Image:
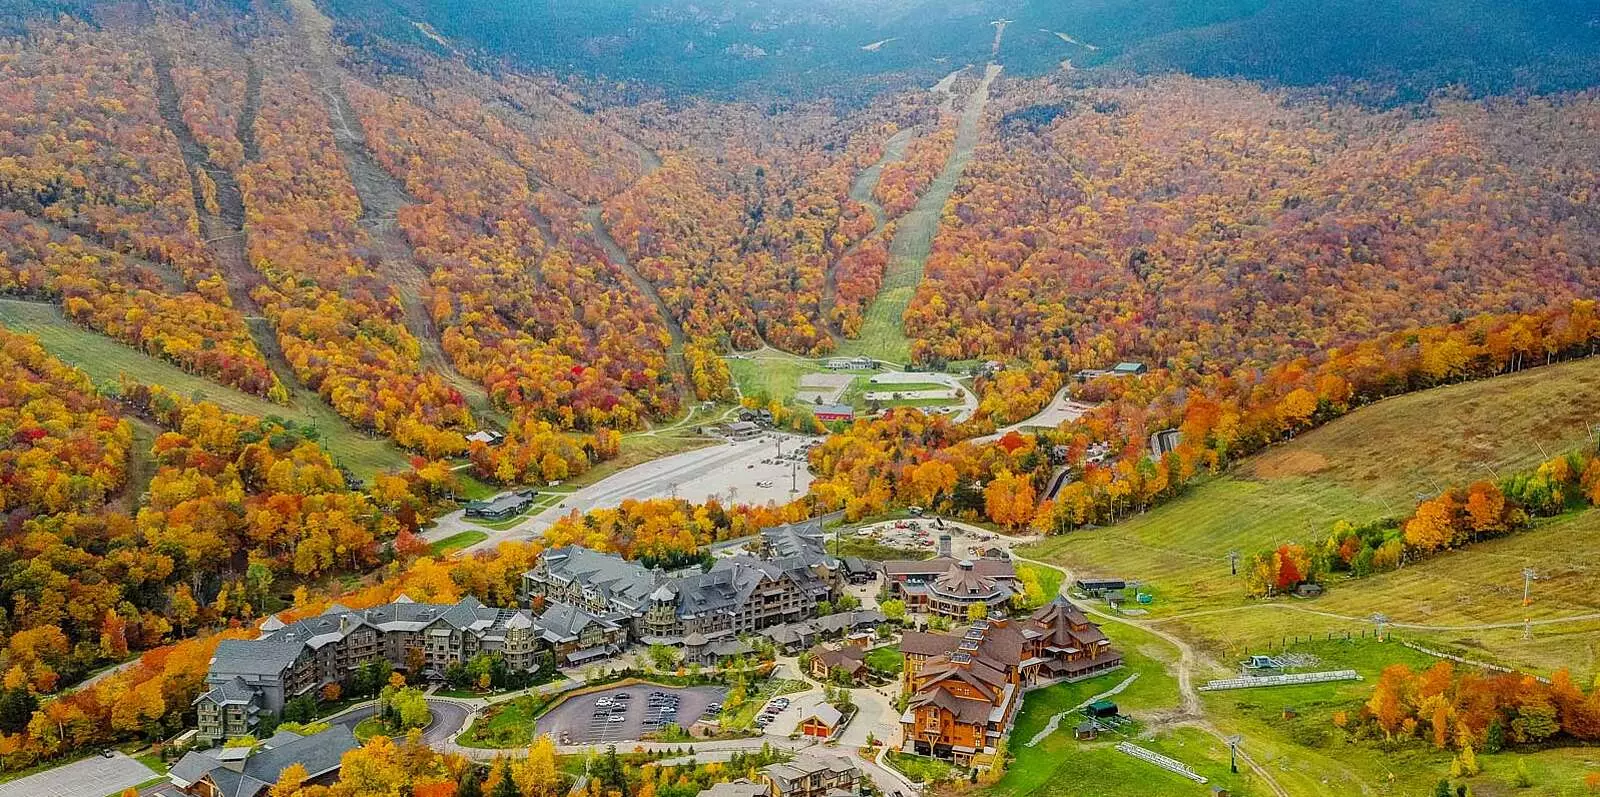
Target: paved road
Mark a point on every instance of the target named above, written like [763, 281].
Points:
[1060, 408]
[449, 718]
[89, 777]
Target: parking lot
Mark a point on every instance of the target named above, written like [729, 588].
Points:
[91, 777]
[587, 719]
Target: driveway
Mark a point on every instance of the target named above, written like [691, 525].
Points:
[449, 718]
[90, 777]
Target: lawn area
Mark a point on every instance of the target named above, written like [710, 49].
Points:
[456, 542]
[507, 724]
[471, 488]
[1049, 580]
[105, 360]
[370, 727]
[1098, 769]
[1480, 584]
[772, 373]
[886, 659]
[921, 769]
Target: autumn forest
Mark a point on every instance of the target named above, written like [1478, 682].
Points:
[422, 235]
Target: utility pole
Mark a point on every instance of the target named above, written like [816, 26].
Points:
[1233, 562]
[1528, 575]
[1233, 753]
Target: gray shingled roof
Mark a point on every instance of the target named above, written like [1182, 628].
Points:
[319, 754]
[608, 574]
[563, 622]
[254, 657]
[232, 690]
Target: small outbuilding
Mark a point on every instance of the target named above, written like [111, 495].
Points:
[1100, 709]
[821, 722]
[1099, 587]
[1086, 731]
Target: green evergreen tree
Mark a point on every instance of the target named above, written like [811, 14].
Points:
[506, 787]
[471, 784]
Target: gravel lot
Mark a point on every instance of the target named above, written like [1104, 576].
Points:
[578, 719]
[90, 777]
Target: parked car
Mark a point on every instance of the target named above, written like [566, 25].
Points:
[617, 718]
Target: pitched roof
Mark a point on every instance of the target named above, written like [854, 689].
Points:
[922, 643]
[254, 657]
[965, 709]
[319, 753]
[737, 788]
[938, 565]
[804, 766]
[563, 622]
[825, 712]
[849, 658]
[231, 691]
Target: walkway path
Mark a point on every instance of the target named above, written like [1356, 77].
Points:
[1191, 711]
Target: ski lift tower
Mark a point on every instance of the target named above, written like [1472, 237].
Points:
[1528, 577]
[1233, 753]
[1380, 620]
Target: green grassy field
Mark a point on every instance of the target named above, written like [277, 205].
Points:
[772, 373]
[1049, 580]
[105, 361]
[1096, 767]
[1478, 585]
[1309, 755]
[886, 658]
[1371, 464]
[1352, 469]
[456, 542]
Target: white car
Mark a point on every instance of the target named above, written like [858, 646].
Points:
[617, 718]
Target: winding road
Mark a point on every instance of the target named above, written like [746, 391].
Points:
[449, 717]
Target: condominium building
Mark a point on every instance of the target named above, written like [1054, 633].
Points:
[738, 595]
[248, 679]
[814, 776]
